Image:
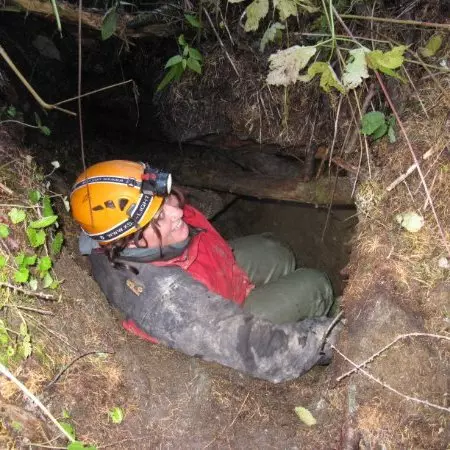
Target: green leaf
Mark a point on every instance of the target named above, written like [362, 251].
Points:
[194, 65]
[10, 351]
[21, 275]
[4, 231]
[193, 21]
[182, 40]
[109, 23]
[34, 196]
[36, 238]
[57, 243]
[19, 259]
[356, 69]
[183, 63]
[66, 414]
[37, 119]
[172, 61]
[23, 329]
[285, 65]
[33, 284]
[2, 261]
[387, 61]
[45, 130]
[76, 445]
[305, 416]
[17, 215]
[391, 130]
[194, 53]
[11, 111]
[116, 415]
[371, 121]
[47, 209]
[44, 264]
[174, 73]
[256, 11]
[4, 337]
[68, 428]
[29, 260]
[286, 8]
[185, 51]
[410, 221]
[47, 281]
[328, 78]
[380, 131]
[26, 347]
[270, 35]
[44, 222]
[432, 46]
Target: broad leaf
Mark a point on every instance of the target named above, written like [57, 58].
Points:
[17, 215]
[387, 61]
[47, 209]
[47, 281]
[371, 121]
[193, 21]
[194, 65]
[23, 329]
[174, 73]
[109, 23]
[356, 68]
[45, 130]
[380, 131]
[4, 231]
[2, 261]
[286, 8]
[305, 416]
[44, 222]
[57, 243]
[328, 78]
[256, 11]
[173, 60]
[432, 46]
[11, 111]
[26, 347]
[21, 275]
[33, 284]
[68, 428]
[194, 53]
[36, 237]
[34, 196]
[286, 64]
[19, 259]
[272, 33]
[410, 221]
[116, 414]
[76, 445]
[44, 264]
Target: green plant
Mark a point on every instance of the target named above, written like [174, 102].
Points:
[376, 125]
[187, 58]
[8, 114]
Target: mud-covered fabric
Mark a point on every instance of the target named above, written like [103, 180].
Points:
[168, 304]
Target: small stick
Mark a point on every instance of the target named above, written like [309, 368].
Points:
[6, 189]
[28, 308]
[378, 353]
[27, 292]
[332, 325]
[67, 366]
[410, 170]
[33, 398]
[376, 380]
[94, 92]
[28, 86]
[220, 42]
[399, 21]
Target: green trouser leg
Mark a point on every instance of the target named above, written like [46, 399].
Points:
[282, 294]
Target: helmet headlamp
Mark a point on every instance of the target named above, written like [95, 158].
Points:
[156, 182]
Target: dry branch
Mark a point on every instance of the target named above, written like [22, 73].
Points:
[387, 386]
[318, 192]
[27, 292]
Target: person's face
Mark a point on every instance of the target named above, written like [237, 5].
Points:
[172, 227]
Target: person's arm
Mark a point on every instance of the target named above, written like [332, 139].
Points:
[185, 315]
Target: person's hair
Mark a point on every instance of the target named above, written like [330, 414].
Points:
[114, 249]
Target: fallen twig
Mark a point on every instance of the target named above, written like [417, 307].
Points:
[376, 380]
[6, 189]
[221, 42]
[67, 366]
[378, 353]
[410, 169]
[34, 399]
[36, 96]
[27, 292]
[28, 308]
[445, 26]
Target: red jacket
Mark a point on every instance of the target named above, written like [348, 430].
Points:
[208, 259]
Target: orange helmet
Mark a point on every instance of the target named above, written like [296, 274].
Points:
[113, 199]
